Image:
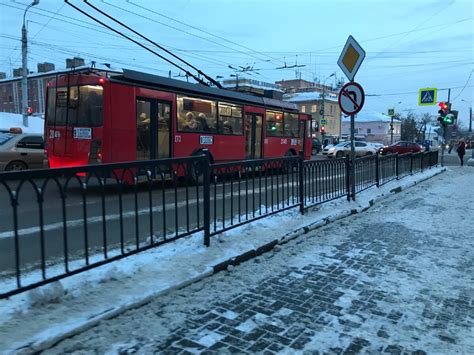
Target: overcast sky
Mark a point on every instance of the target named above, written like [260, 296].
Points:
[409, 44]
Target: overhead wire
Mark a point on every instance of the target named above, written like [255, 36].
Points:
[467, 81]
[199, 80]
[154, 43]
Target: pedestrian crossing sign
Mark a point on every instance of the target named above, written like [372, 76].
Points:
[427, 97]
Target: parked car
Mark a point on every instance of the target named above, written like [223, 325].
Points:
[402, 147]
[315, 146]
[21, 151]
[344, 148]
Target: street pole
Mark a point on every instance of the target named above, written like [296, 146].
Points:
[470, 119]
[24, 67]
[352, 158]
[391, 130]
[24, 78]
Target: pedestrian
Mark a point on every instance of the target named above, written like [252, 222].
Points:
[461, 151]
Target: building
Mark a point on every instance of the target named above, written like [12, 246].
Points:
[10, 88]
[318, 100]
[372, 126]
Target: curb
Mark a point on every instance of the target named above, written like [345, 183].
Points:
[37, 346]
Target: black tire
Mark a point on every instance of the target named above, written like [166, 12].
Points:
[314, 151]
[339, 154]
[369, 153]
[16, 165]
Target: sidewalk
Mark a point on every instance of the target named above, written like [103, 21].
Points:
[90, 300]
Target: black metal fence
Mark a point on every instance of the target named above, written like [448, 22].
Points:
[60, 222]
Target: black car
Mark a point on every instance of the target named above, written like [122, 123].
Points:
[315, 146]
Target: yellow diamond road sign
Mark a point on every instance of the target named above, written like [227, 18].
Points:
[351, 58]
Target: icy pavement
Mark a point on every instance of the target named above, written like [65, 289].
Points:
[365, 282]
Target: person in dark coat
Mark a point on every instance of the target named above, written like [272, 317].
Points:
[461, 151]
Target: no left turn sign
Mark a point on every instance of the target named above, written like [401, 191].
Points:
[351, 98]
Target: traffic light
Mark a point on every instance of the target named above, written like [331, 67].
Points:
[322, 130]
[448, 119]
[30, 111]
[443, 107]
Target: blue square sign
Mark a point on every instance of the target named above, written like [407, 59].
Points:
[427, 97]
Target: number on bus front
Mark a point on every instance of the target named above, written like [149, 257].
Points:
[54, 134]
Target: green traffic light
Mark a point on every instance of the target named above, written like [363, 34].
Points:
[448, 119]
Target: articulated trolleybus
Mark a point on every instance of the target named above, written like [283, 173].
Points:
[95, 118]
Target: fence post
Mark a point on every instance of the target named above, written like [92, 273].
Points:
[348, 172]
[396, 165]
[377, 170]
[207, 199]
[411, 163]
[301, 181]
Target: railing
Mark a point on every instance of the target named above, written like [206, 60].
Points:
[324, 180]
[65, 221]
[248, 190]
[61, 222]
[365, 172]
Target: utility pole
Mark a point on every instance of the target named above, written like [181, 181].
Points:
[24, 67]
[470, 119]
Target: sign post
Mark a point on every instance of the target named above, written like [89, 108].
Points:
[351, 96]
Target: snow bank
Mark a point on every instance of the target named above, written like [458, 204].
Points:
[9, 120]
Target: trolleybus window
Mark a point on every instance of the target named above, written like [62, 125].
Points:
[196, 115]
[274, 124]
[82, 108]
[230, 119]
[291, 125]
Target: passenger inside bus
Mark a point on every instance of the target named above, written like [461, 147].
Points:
[189, 123]
[202, 123]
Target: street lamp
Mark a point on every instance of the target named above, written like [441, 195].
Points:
[24, 61]
[391, 122]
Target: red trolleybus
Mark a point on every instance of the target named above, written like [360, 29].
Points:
[92, 118]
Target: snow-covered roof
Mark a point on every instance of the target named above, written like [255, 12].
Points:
[64, 70]
[369, 116]
[309, 96]
[9, 120]
[232, 83]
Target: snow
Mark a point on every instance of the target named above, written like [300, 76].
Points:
[97, 66]
[368, 116]
[79, 302]
[309, 96]
[9, 120]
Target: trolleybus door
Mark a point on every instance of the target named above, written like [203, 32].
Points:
[153, 129]
[253, 136]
